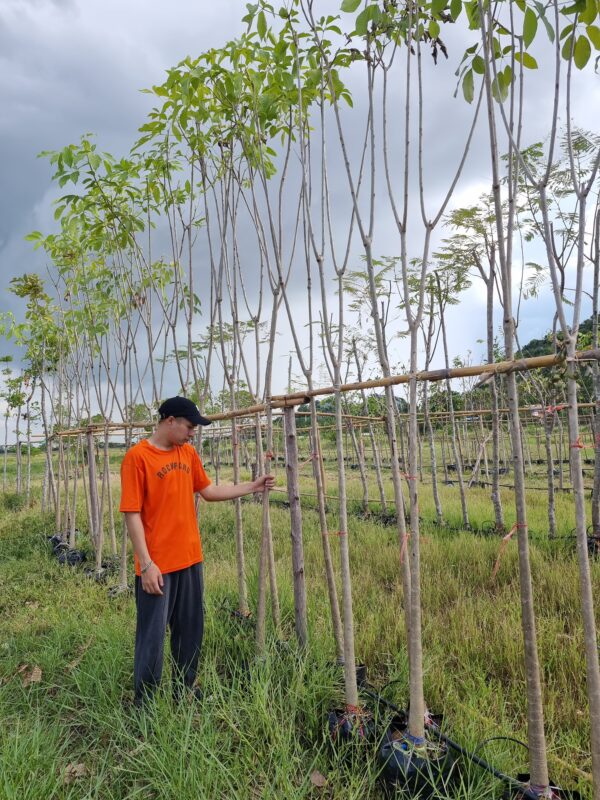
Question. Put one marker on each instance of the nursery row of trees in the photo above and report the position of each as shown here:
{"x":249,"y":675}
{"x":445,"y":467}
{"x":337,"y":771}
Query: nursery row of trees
{"x":177,"y":265}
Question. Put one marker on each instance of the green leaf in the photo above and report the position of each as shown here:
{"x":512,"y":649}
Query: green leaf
{"x":434,"y":29}
{"x":530,"y":24}
{"x":567,"y":47}
{"x":590,"y":13}
{"x":95,"y":161}
{"x":500,"y":88}
{"x":468,"y":86}
{"x":527,"y":60}
{"x":565,"y":32}
{"x":350,"y":5}
{"x":593,"y":32}
{"x":577,"y":8}
{"x":478,"y":65}
{"x":455,"y":9}
{"x":542,"y":16}
{"x":261,"y":25}
{"x":582,"y":52}
{"x":437,"y":6}
{"x":366,"y":15}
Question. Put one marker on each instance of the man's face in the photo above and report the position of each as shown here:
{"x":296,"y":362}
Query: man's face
{"x":181,"y":430}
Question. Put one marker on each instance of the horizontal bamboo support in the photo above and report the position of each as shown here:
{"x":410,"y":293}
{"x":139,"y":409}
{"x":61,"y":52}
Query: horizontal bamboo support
{"x":300,"y":398}
{"x":482,"y":412}
{"x":498,"y":368}
{"x":344,"y":416}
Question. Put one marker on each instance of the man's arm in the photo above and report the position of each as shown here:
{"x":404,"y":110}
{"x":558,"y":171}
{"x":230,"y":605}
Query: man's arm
{"x":152,"y":580}
{"x":230,"y":491}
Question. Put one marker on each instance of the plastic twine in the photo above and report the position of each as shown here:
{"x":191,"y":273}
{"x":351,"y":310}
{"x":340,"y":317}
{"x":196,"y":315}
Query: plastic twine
{"x":311,"y":457}
{"x":416,"y":741}
{"x":552,"y":409}
{"x":504,"y":544}
{"x":403,"y":548}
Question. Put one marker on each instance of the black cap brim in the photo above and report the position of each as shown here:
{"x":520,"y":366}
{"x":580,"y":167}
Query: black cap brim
{"x":198,"y":419}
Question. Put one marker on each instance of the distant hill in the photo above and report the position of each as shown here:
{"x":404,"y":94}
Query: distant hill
{"x":545,"y":346}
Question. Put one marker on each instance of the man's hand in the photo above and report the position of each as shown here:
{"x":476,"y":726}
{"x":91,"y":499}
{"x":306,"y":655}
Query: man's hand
{"x":229,"y":491}
{"x":264,"y":482}
{"x":152,"y":580}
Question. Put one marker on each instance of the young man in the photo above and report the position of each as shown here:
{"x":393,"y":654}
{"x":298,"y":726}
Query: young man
{"x":160,"y":477}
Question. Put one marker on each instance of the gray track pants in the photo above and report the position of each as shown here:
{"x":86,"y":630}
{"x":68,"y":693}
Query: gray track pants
{"x":180,"y":607}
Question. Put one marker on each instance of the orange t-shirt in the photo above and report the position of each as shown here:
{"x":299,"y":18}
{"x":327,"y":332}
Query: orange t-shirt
{"x":160,"y":484}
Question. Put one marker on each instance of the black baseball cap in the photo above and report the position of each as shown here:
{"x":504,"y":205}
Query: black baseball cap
{"x":182,"y":407}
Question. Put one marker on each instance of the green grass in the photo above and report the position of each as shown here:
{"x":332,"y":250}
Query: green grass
{"x":263,"y":731}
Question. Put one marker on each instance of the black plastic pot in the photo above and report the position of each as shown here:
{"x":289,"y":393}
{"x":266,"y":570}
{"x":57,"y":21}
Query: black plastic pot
{"x":593,"y":544}
{"x":361,"y":672}
{"x":514,"y":793}
{"x":418,"y":768}
{"x":487,"y":528}
{"x":57,"y":543}
{"x":351,"y":726}
{"x":245,"y":620}
{"x":71,"y":557}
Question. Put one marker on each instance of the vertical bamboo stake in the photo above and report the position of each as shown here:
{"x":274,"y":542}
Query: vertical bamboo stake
{"x":67,"y":461}
{"x":596,"y":379}
{"x":74,"y":499}
{"x":263,"y":559}
{"x":548,"y":428}
{"x":319,"y":450}
{"x":45,"y":478}
{"x":561,"y":453}
{"x":239,"y":530}
{"x":110,"y":509}
{"x":443,"y":452}
{"x":360,"y":459}
{"x":124,"y":534}
{"x":351,"y":689}
{"x":293,"y":487}
{"x":97,"y":532}
{"x":336,"y":619}
{"x":59,"y":472}
{"x":487,"y":438}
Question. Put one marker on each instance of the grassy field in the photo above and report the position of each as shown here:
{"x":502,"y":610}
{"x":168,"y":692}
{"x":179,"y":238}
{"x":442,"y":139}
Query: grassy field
{"x":69,"y":730}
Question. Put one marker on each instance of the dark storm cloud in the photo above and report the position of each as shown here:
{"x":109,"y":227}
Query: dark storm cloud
{"x":74,"y":66}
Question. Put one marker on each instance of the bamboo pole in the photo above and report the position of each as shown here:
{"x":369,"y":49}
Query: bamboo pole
{"x":300,"y":398}
{"x":293,"y":487}
{"x":499,"y":368}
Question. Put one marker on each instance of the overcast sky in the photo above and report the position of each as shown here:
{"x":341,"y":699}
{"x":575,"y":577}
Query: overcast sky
{"x":69,"y":67}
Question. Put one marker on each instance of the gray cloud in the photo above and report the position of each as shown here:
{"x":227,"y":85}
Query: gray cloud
{"x":73,"y":66}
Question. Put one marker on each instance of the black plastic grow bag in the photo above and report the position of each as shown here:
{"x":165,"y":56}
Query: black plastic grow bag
{"x":418,"y":768}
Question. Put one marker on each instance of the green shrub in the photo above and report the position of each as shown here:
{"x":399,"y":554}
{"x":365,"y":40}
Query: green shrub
{"x":12,"y":501}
